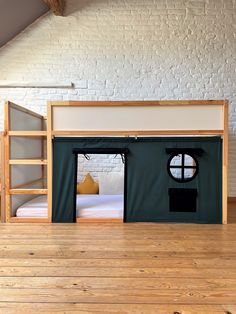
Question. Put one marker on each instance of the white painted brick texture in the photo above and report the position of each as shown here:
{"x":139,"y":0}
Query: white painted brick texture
{"x":129,"y":49}
{"x":99,"y":164}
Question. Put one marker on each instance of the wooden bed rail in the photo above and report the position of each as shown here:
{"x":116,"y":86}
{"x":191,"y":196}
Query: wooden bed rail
{"x":129,"y":103}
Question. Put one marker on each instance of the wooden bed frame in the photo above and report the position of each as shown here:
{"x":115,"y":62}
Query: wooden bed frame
{"x":146,"y":115}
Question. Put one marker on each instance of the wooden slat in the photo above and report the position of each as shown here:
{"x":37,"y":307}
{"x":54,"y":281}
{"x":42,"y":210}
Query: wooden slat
{"x":57,"y":6}
{"x":125,"y":308}
{"x":121,"y":296}
{"x":117,"y":283}
{"x":98,"y":220}
{"x":43,"y":156}
{"x":7,"y":171}
{"x":50,"y":159}
{"x":142,"y":247}
{"x":25,"y":110}
{"x":27,"y":161}
{"x":28,"y":133}
{"x":117,"y":272}
{"x":139,"y":103}
{"x":2,"y":178}
{"x":28,"y":191}
{"x":77,"y":235}
{"x":83,"y":234}
{"x":137,"y":132}
{"x":225,"y":165}
{"x":48,"y":252}
{"x":216,"y":263}
{"x":139,"y":245}
{"x":28,"y":220}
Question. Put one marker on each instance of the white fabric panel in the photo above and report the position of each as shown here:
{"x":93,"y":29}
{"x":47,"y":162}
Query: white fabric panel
{"x":111,"y":183}
{"x":21,"y":174}
{"x":100,"y":206}
{"x":88,"y":206}
{"x":21,"y":121}
{"x":19,"y":200}
{"x":209,"y":117}
{"x":37,"y":207}
{"x":25,"y":147}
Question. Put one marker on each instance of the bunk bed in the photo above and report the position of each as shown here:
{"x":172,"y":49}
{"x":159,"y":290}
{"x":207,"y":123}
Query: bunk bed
{"x":172,"y":125}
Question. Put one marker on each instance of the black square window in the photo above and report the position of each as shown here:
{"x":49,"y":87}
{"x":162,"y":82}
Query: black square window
{"x":182,"y":200}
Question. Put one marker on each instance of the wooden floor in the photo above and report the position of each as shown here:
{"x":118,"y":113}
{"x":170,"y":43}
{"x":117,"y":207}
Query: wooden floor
{"x":118,"y":268}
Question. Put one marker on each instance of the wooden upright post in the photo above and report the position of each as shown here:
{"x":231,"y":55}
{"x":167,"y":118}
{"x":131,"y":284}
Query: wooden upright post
{"x":49,"y":157}
{"x":225,"y":165}
{"x":2,"y":181}
{"x":7,"y":171}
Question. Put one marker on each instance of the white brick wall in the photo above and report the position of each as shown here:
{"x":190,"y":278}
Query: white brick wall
{"x":129,"y":49}
{"x":97,"y":164}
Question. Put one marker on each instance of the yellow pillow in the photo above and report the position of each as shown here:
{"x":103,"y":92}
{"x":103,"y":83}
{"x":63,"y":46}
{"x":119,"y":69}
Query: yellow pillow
{"x":88,"y":186}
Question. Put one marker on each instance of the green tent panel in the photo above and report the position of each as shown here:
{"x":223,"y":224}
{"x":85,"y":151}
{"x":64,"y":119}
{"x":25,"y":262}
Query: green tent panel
{"x":152,"y":195}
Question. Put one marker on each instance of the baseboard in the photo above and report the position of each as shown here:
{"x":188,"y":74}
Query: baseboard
{"x":231,"y":199}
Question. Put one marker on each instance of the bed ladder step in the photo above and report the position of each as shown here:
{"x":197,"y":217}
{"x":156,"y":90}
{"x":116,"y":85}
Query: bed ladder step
{"x":28,"y":133}
{"x":28,"y":191}
{"x":29,"y":219}
{"x":28,"y":161}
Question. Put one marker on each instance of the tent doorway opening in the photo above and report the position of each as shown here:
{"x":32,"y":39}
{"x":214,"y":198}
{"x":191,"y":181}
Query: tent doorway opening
{"x":100,"y":187}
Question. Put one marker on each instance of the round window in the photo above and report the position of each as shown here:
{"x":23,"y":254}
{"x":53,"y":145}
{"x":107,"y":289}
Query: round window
{"x":182,"y":167}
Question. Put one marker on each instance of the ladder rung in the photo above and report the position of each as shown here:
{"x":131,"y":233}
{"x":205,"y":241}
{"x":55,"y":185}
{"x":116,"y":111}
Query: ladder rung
{"x":28,"y":191}
{"x":27,"y":133}
{"x":28,"y":161}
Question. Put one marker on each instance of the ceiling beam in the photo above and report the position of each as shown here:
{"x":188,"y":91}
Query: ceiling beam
{"x":57,"y":6}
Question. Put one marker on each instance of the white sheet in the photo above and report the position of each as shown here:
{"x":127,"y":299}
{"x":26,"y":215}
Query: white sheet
{"x":87,"y":206}
{"x":37,"y":207}
{"x":100,"y":206}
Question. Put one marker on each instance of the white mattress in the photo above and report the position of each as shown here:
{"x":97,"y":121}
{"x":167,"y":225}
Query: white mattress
{"x":87,"y":206}
{"x":37,"y":207}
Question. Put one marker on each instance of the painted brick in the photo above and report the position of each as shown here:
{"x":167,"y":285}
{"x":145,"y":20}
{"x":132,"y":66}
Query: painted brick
{"x":195,"y":4}
{"x":175,"y":4}
{"x":98,"y":164}
{"x":196,"y":11}
{"x":81,"y":84}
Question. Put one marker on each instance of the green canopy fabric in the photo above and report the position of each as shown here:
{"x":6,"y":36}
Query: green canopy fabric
{"x":148,"y":184}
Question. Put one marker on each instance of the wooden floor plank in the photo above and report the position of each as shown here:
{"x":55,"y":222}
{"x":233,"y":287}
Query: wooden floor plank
{"x":115,"y":308}
{"x":163,"y":283}
{"x":135,"y":245}
{"x":34,"y":252}
{"x":157,"y":262}
{"x":108,"y":296}
{"x":110,"y":272}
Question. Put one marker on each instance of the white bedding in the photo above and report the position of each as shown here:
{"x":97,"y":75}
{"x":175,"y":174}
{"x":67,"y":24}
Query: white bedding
{"x":87,"y":206}
{"x":37,"y":207}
